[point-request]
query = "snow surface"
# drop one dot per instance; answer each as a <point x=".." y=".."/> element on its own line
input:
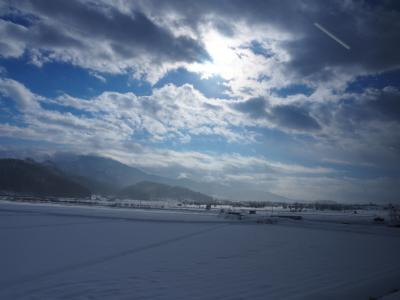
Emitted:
<point x="59" y="252"/>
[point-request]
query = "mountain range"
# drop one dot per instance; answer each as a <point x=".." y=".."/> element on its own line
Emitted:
<point x="80" y="176"/>
<point x="101" y="175"/>
<point x="147" y="190"/>
<point x="31" y="178"/>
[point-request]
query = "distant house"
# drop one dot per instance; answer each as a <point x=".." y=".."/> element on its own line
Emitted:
<point x="394" y="216"/>
<point x="234" y="215"/>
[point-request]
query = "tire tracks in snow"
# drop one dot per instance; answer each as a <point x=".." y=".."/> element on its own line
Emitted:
<point x="4" y="285"/>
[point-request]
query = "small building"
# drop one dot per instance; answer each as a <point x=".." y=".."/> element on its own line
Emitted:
<point x="394" y="215"/>
<point x="233" y="215"/>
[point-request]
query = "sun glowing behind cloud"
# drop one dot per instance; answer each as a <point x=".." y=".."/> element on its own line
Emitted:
<point x="235" y="61"/>
<point x="223" y="54"/>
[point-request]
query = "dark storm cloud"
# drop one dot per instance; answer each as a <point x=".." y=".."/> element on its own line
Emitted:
<point x="124" y="31"/>
<point x="255" y="107"/>
<point x="75" y="24"/>
<point x="287" y="116"/>
<point x="374" y="37"/>
<point x="224" y="28"/>
<point x="346" y="117"/>
<point x="372" y="28"/>
<point x="387" y="104"/>
<point x="294" y="117"/>
<point x="381" y="105"/>
<point x="43" y="35"/>
<point x="194" y="13"/>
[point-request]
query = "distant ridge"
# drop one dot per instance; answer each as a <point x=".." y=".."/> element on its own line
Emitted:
<point x="147" y="190"/>
<point x="100" y="174"/>
<point x="106" y="176"/>
<point x="31" y="178"/>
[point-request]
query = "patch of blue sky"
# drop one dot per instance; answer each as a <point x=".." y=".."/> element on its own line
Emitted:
<point x="27" y="143"/>
<point x="293" y="89"/>
<point x="17" y="17"/>
<point x="391" y="78"/>
<point x="55" y="78"/>
<point x="213" y="87"/>
<point x="263" y="77"/>
<point x="257" y="48"/>
<point x="141" y="136"/>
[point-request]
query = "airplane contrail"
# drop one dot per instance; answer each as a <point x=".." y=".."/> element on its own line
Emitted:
<point x="331" y="35"/>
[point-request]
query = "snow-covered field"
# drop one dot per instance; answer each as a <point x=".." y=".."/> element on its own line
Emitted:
<point x="56" y="252"/>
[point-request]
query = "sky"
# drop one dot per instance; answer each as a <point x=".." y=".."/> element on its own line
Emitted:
<point x="261" y="95"/>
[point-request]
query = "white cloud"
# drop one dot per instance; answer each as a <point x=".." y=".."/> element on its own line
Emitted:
<point x="23" y="97"/>
<point x="178" y="114"/>
<point x="12" y="43"/>
<point x="170" y="113"/>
